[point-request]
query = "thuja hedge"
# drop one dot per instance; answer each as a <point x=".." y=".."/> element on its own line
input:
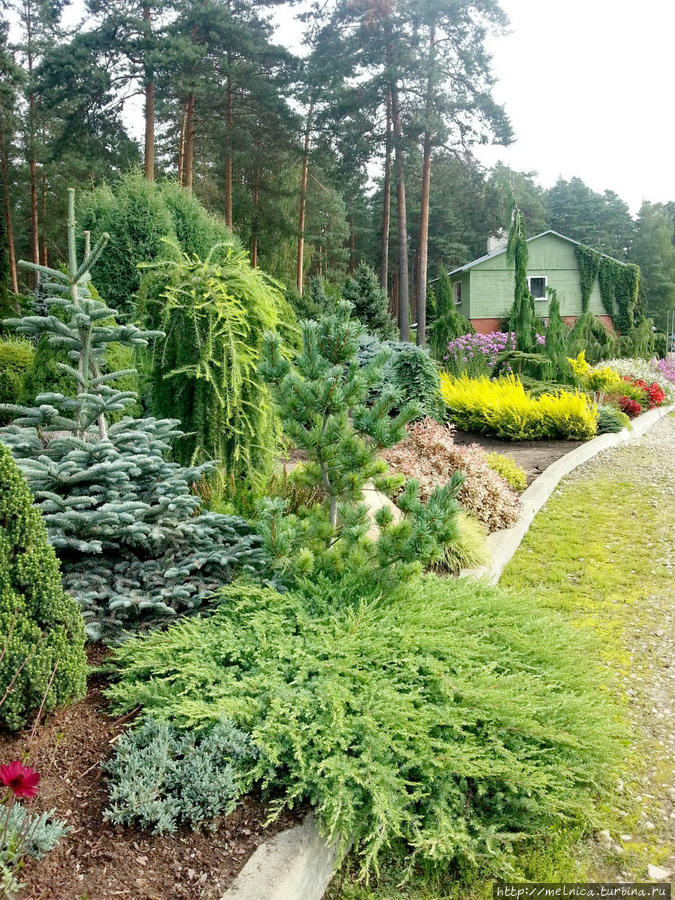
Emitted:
<point x="447" y="724"/>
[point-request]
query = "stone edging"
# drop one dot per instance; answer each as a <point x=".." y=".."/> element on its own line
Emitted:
<point x="501" y="545"/>
<point x="296" y="864"/>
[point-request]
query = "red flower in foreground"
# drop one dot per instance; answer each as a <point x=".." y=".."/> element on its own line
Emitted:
<point x="21" y="780"/>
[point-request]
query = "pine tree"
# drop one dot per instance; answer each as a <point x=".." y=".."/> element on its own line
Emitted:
<point x="41" y="631"/>
<point x="322" y="403"/>
<point x="370" y="303"/>
<point x="123" y="519"/>
<point x="522" y="319"/>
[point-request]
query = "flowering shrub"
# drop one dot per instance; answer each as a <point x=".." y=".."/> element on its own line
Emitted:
<point x="476" y="354"/>
<point x="648" y="371"/>
<point x="631" y="407"/>
<point x="665" y="367"/>
<point x="654" y="394"/>
<point x="430" y="455"/>
<point x="504" y="408"/>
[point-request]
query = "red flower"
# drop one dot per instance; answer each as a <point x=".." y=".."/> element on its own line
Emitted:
<point x="21" y="780"/>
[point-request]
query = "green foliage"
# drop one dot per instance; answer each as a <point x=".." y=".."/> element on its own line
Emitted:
<point x="137" y="220"/>
<point x="214" y="313"/>
<point x="321" y="399"/>
<point x="370" y="303"/>
<point x="639" y="341"/>
<point x="414" y="376"/>
<point x="447" y="724"/>
<point x="468" y="550"/>
<point x="510" y="471"/>
<point x="140" y="217"/>
<point x="611" y="420"/>
<point x="161" y="778"/>
<point x="134" y="545"/>
<point x="588" y="261"/>
<point x="43" y="830"/>
<point x="314" y="302"/>
<point x="556" y="338"/>
<point x="447" y="323"/>
<point x="522" y="319"/>
<point x="589" y="334"/>
<point x="16" y="356"/>
<point x="41" y="627"/>
<point x="618" y="283"/>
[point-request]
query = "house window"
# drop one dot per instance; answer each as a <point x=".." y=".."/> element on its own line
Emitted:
<point x="537" y="286"/>
<point x="457" y="292"/>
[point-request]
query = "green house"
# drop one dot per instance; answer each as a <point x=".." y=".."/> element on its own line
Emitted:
<point x="483" y="289"/>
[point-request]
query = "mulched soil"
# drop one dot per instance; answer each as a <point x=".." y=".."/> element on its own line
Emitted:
<point x="532" y="456"/>
<point x="99" y="861"/>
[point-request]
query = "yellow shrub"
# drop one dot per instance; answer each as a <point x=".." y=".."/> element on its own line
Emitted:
<point x="504" y="408"/>
<point x="505" y="467"/>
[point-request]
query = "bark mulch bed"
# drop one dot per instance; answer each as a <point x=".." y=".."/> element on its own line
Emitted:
<point x="532" y="456"/>
<point x="100" y="861"/>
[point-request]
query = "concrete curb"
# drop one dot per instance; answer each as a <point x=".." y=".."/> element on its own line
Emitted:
<point x="501" y="545"/>
<point x="296" y="864"/>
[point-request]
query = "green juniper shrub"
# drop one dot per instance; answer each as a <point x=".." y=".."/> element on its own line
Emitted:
<point x="135" y="547"/>
<point x="160" y="778"/>
<point x="204" y="370"/>
<point x="16" y="356"/>
<point x="611" y="420"/>
<point x="639" y="342"/>
<point x="522" y="318"/>
<point x="448" y="724"/>
<point x="370" y="302"/>
<point x="41" y="629"/>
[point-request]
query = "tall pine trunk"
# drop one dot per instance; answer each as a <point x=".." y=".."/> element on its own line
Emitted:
<point x="181" y="146"/>
<point x="32" y="163"/>
<point x="7" y="210"/>
<point x="254" y="229"/>
<point x="423" y="259"/>
<point x="403" y="287"/>
<point x="189" y="141"/>
<point x="228" y="153"/>
<point x="43" y="211"/>
<point x="149" y="153"/>
<point x="386" y="202"/>
<point x="303" y="201"/>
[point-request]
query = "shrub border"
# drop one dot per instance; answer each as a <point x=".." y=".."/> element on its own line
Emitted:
<point x="296" y="864"/>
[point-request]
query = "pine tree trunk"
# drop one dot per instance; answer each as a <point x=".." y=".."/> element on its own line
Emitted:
<point x="43" y="211"/>
<point x="149" y="155"/>
<point x="7" y="208"/>
<point x="386" y="202"/>
<point x="303" y="202"/>
<point x="254" y="236"/>
<point x="189" y="141"/>
<point x="228" y="155"/>
<point x="181" y="146"/>
<point x="423" y="260"/>
<point x="403" y="287"/>
<point x="352" y="239"/>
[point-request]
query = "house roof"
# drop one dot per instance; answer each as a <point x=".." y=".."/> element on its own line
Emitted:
<point x="494" y="253"/>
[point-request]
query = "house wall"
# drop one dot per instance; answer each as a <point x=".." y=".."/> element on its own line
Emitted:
<point x="464" y="306"/>
<point x="491" y="283"/>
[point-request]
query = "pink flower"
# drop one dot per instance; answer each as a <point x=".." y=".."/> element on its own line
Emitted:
<point x="21" y="780"/>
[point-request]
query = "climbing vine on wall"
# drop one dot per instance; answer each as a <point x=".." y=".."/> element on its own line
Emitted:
<point x="618" y="283"/>
<point x="589" y="261"/>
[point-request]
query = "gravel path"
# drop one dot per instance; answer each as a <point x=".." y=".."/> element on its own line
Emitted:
<point x="648" y="465"/>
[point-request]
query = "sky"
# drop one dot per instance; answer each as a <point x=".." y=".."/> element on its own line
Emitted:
<point x="587" y="85"/>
